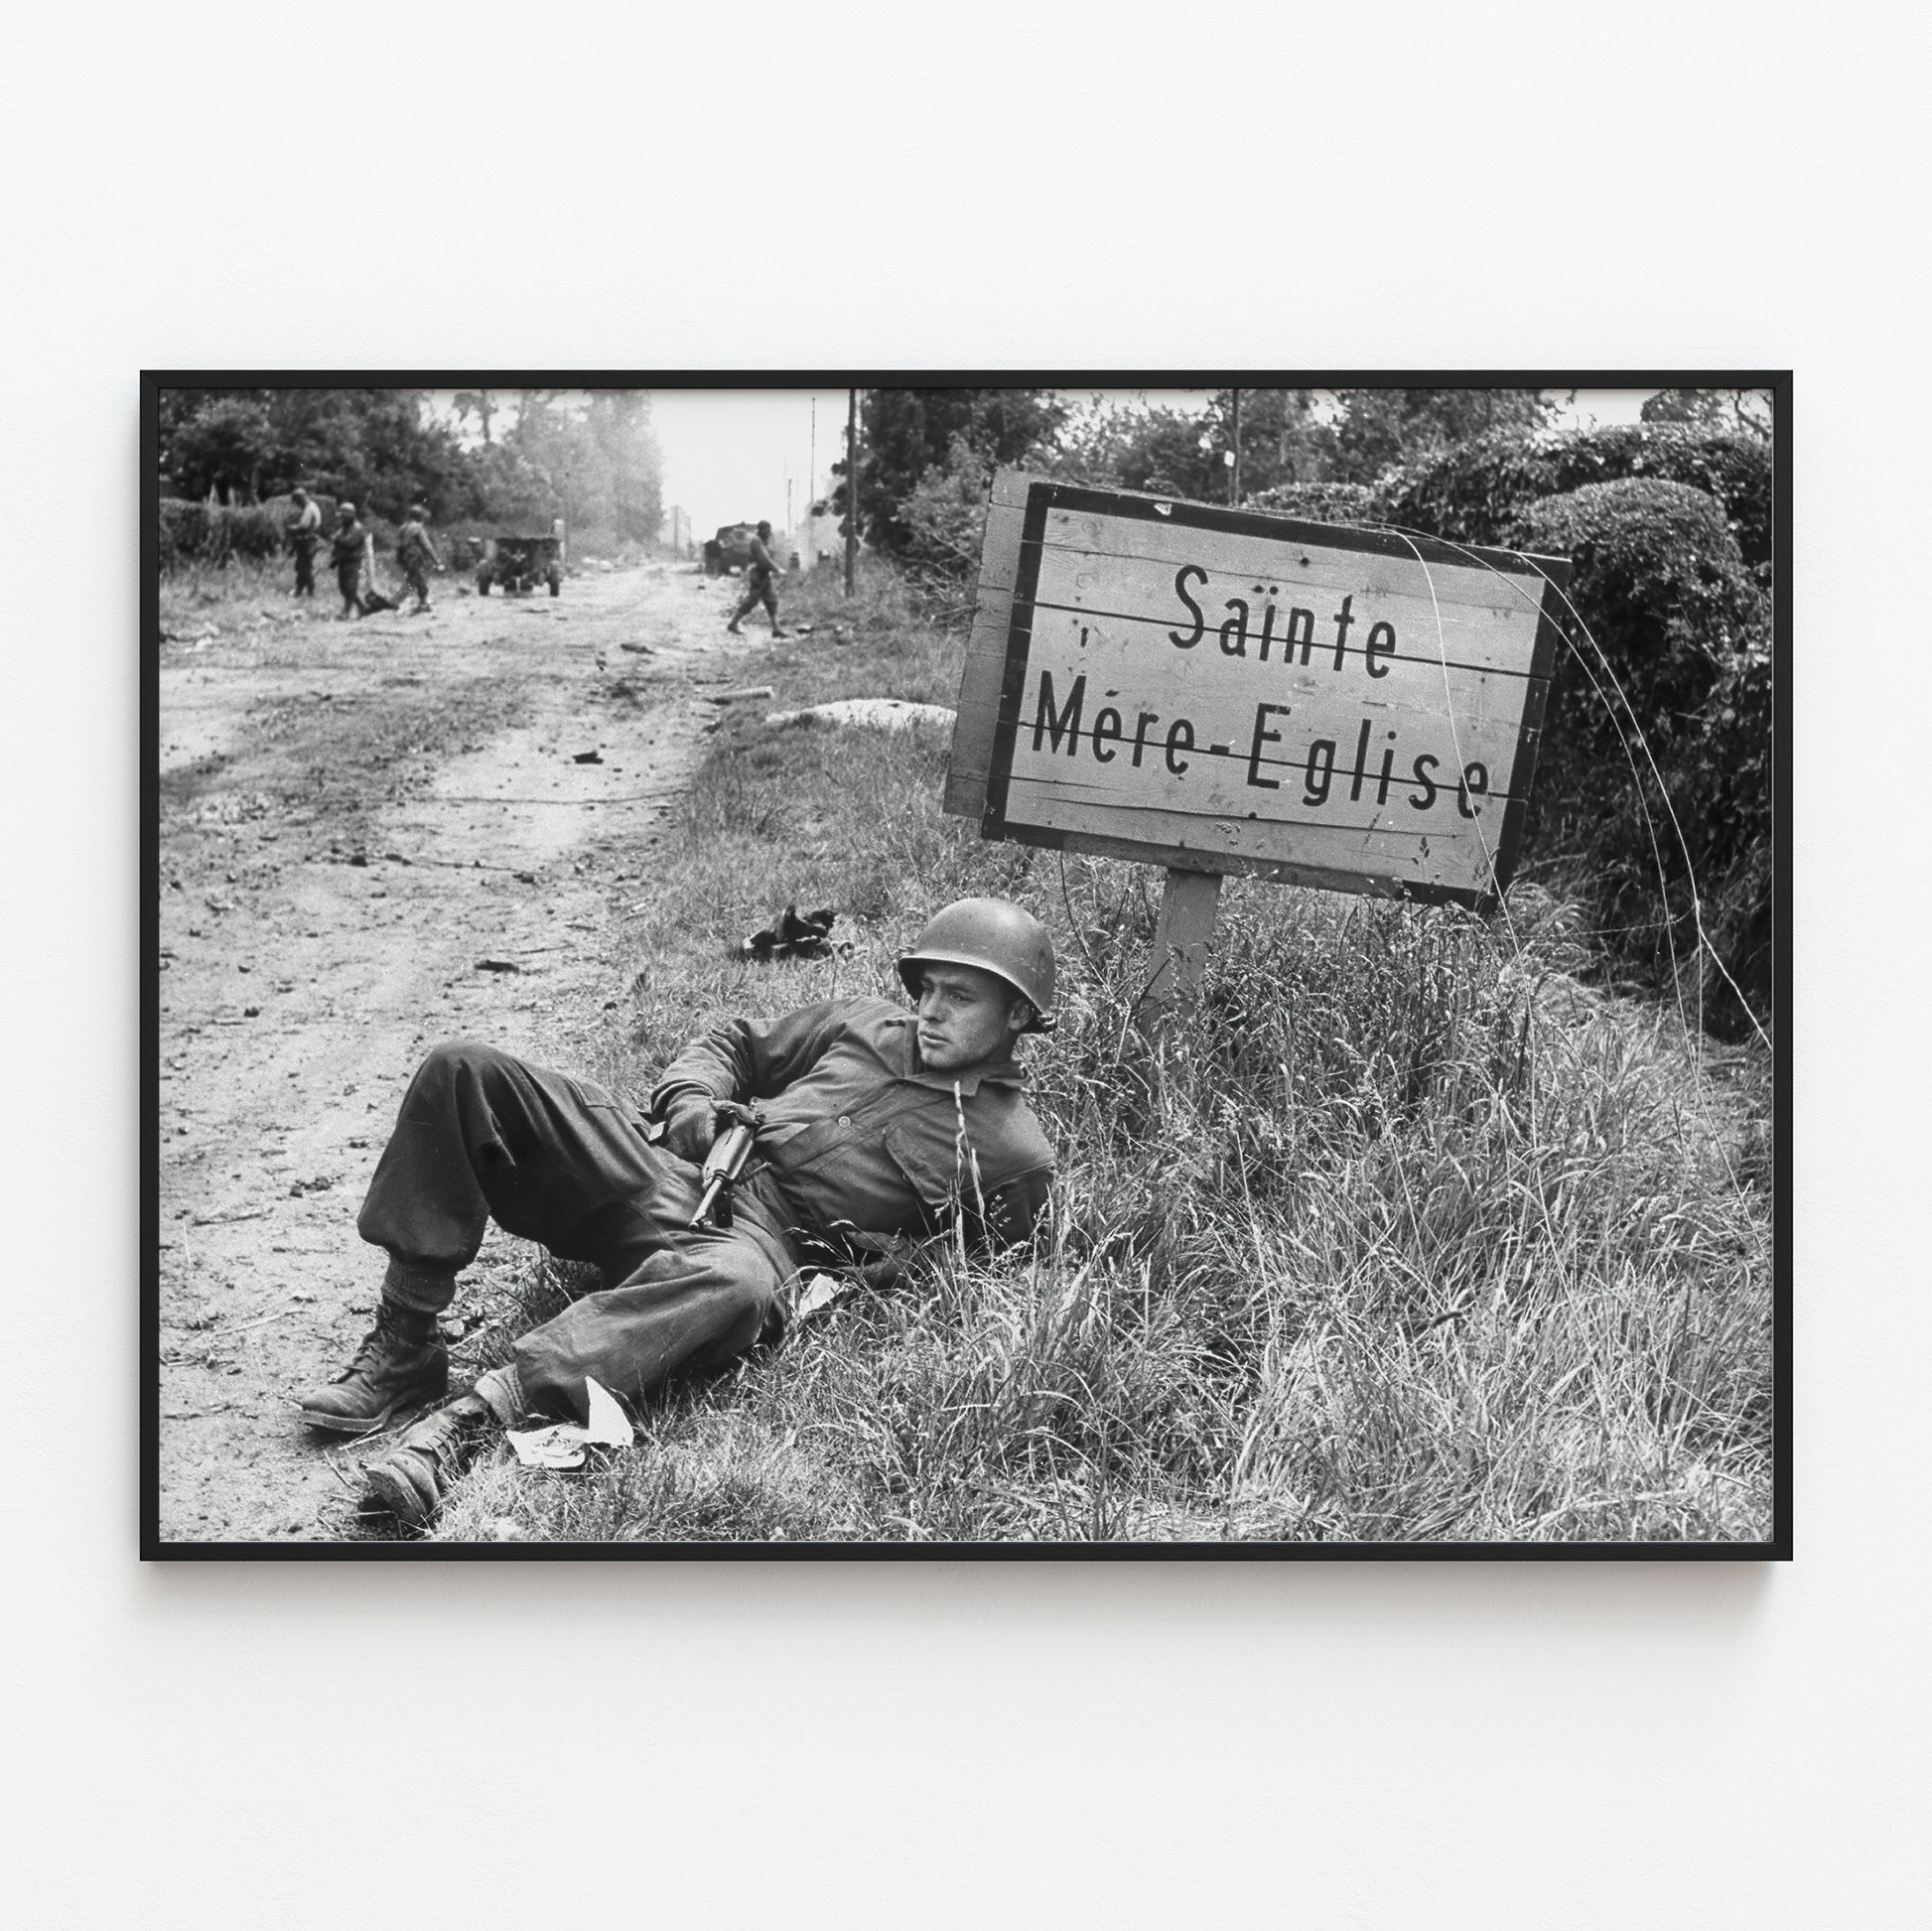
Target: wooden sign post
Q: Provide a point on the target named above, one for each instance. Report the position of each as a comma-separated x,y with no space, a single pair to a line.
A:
1180,937
1219,690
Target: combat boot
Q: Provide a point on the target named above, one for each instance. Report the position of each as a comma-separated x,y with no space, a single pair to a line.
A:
413,1478
401,1363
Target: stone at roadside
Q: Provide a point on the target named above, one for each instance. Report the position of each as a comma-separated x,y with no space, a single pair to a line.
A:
868,713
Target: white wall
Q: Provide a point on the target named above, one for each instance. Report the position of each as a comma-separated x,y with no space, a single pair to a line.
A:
1481,1746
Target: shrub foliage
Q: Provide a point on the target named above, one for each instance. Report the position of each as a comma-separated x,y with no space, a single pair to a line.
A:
218,533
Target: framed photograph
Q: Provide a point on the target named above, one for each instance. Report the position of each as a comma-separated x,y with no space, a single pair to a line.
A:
1150,965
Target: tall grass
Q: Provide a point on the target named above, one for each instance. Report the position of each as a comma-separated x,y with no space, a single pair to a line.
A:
212,592
1401,1233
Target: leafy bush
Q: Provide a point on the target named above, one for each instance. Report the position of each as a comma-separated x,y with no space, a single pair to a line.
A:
218,535
1319,503
1481,492
1662,585
908,432
203,533
1671,721
945,513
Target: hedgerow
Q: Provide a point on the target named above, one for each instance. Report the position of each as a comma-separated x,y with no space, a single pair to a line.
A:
202,532
1654,778
1319,503
1653,807
1483,491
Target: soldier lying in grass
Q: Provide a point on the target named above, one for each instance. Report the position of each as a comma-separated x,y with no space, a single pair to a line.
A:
877,1130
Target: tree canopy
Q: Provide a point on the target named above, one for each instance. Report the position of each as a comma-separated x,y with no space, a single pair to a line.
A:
921,448
906,432
589,455
1744,412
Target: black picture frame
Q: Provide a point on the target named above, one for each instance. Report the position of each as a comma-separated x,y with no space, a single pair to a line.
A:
1777,1547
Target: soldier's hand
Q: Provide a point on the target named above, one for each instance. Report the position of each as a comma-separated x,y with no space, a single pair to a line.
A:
690,1126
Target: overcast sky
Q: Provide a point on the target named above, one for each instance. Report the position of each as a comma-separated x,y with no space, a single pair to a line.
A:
728,452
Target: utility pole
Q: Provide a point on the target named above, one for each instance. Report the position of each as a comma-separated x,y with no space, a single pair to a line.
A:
1234,468
851,487
811,492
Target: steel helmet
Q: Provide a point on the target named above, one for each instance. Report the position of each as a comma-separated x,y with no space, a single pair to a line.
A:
995,935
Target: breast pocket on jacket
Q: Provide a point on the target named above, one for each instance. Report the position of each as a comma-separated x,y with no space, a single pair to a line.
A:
929,1165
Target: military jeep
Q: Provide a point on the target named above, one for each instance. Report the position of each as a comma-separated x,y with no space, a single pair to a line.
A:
729,549
519,563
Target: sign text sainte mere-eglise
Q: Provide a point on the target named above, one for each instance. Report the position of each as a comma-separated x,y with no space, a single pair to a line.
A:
1221,690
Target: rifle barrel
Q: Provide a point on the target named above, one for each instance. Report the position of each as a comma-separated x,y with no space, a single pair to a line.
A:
708,1200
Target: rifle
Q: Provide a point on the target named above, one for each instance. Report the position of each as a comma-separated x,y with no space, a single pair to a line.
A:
723,1167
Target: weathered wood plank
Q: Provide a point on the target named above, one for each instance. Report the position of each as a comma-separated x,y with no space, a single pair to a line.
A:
1483,619
1251,554
986,647
1391,846
1181,934
1386,746
1273,871
1220,694
1340,763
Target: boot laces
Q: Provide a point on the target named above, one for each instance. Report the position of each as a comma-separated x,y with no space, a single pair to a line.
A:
380,1344
448,1437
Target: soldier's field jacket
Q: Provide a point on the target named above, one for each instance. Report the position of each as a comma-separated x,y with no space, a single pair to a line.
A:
413,546
859,1135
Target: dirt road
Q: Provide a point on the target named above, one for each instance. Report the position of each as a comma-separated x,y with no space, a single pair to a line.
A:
375,835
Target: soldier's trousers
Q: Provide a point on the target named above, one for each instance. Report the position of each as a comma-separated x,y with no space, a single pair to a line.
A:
482,1136
417,580
757,589
305,568
348,580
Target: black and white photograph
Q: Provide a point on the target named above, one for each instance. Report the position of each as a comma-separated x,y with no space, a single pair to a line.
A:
1140,964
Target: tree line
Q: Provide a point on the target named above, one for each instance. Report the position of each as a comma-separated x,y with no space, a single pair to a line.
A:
515,457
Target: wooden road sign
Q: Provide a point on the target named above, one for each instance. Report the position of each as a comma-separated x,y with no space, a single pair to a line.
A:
1217,690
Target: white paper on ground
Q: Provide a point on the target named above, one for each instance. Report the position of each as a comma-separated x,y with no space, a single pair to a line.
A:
564,1445
558,1447
818,1290
609,1424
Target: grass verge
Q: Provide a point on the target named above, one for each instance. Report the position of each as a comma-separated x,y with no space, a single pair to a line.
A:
1403,1233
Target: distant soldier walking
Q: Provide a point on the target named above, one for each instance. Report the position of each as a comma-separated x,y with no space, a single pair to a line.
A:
304,533
416,554
759,584
346,550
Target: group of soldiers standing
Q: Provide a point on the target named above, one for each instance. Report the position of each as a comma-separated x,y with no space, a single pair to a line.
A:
350,551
